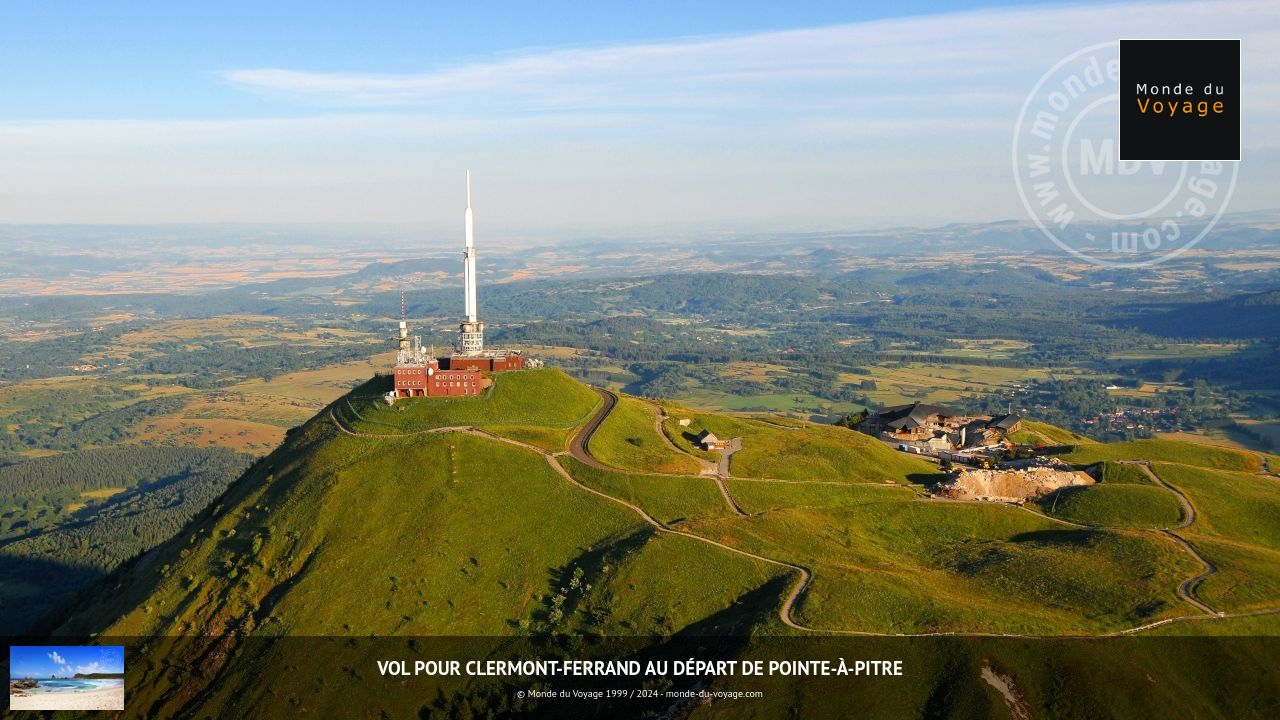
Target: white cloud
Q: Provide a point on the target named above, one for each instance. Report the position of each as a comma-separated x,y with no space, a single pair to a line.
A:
93,667
952,58
904,120
56,658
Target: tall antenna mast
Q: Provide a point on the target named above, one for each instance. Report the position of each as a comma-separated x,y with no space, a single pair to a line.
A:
403,356
471,330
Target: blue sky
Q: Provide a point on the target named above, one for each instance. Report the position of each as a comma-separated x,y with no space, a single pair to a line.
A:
64,660
575,118
140,60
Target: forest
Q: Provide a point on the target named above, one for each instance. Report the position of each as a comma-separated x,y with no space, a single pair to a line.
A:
68,519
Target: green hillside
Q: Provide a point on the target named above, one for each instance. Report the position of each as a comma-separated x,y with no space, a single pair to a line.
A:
800,451
668,499
1168,451
380,522
1118,505
884,559
1115,473
1038,433
1238,529
627,440
379,535
543,398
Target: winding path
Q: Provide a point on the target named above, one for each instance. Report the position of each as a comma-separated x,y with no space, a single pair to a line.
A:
705,466
722,469
1188,586
579,447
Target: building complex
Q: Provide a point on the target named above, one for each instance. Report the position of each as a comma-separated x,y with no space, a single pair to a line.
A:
419,373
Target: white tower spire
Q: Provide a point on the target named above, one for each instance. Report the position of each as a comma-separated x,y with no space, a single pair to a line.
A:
469,258
471,332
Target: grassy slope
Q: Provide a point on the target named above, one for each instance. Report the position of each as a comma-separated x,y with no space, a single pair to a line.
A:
1116,505
883,560
1166,451
1260,625
668,499
1114,473
628,439
757,496
342,535
1238,529
1033,433
809,452
423,567
544,398
549,439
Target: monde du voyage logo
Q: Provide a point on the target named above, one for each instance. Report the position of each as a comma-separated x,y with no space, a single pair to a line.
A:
1124,152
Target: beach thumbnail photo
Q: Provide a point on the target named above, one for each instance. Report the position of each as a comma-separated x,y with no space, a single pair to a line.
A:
66,677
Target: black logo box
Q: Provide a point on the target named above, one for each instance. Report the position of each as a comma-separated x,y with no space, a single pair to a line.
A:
1205,73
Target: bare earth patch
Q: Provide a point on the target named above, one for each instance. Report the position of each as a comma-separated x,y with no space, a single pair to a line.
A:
1012,486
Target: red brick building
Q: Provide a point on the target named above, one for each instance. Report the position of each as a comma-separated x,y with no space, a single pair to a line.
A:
428,380
490,361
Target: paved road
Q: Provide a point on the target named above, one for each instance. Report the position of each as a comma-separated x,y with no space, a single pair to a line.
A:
578,445
731,447
803,575
719,470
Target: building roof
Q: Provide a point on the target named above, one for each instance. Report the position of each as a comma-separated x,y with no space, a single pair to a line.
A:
1004,422
907,417
706,436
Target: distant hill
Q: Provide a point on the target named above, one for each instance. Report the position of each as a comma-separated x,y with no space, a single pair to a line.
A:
1255,315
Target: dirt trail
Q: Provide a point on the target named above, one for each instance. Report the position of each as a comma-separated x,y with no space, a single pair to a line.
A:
803,574
705,466
1189,585
718,470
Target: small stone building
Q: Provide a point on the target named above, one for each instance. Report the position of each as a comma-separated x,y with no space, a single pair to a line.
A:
707,440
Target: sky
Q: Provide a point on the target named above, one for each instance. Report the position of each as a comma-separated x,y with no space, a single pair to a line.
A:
574,118
64,661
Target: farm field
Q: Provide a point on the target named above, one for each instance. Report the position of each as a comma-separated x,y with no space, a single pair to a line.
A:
797,403
900,383
248,436
1176,350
